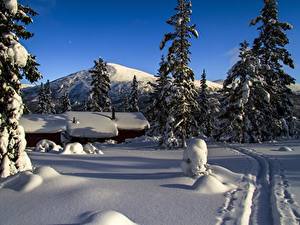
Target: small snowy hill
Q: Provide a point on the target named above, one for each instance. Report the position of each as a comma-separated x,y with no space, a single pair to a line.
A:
78,85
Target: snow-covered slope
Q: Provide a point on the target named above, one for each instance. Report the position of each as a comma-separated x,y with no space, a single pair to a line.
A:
78,85
295,88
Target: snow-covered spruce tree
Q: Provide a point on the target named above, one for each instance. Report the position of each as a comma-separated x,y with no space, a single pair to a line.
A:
133,98
157,111
183,101
65,103
42,108
125,102
15,64
204,118
50,107
245,102
269,47
100,100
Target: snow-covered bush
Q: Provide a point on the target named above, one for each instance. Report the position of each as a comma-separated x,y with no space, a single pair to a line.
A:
195,158
73,148
47,146
89,148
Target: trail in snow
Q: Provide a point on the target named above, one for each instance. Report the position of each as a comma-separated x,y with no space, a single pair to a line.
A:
238,202
272,201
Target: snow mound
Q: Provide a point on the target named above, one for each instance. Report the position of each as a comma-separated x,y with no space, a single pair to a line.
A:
225,175
73,148
47,146
195,158
285,149
46,172
89,148
24,182
28,181
107,218
209,184
217,180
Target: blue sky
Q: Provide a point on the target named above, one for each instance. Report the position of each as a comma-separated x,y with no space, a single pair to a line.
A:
70,34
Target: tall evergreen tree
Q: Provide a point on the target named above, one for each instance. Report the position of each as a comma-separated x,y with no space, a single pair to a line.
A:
50,107
205,120
100,100
125,103
184,98
66,103
133,98
158,109
270,49
245,102
42,108
15,64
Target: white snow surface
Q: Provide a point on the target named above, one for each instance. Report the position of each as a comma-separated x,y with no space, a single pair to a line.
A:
126,74
285,149
131,121
27,181
143,184
139,182
107,218
43,123
91,125
217,180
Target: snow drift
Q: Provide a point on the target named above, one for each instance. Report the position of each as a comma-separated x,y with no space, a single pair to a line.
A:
107,218
217,180
28,181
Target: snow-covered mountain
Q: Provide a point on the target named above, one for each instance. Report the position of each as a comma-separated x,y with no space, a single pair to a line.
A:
78,86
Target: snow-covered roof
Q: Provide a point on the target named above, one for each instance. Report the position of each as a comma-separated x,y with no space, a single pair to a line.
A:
43,123
129,121
91,125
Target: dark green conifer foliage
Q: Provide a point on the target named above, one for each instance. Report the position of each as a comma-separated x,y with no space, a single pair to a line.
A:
49,105
270,48
134,97
66,103
245,102
205,120
159,106
99,97
183,101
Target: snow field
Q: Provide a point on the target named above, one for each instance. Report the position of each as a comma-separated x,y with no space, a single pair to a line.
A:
145,185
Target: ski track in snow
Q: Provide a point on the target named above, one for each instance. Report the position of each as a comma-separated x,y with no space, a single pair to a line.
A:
236,209
272,189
